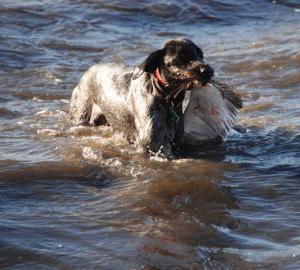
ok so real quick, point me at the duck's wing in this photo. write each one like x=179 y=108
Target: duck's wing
x=211 y=112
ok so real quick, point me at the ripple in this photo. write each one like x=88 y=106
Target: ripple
x=4 y=112
x=63 y=45
x=83 y=197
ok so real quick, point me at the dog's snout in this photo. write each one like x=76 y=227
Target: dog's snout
x=202 y=68
x=204 y=72
x=207 y=70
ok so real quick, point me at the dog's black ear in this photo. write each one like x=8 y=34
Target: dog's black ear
x=150 y=63
x=153 y=60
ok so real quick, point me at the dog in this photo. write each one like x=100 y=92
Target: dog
x=144 y=102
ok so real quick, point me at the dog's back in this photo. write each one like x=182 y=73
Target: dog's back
x=104 y=84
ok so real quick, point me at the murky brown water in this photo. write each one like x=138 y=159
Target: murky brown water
x=81 y=198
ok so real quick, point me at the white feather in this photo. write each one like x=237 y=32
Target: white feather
x=208 y=115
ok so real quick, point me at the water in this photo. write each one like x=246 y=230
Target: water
x=82 y=198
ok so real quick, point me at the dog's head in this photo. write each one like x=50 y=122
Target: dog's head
x=180 y=64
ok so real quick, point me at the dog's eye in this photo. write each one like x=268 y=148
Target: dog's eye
x=179 y=63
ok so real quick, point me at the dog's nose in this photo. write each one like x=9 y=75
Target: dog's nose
x=202 y=68
x=204 y=73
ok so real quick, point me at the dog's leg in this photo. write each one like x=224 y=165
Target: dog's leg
x=155 y=135
x=97 y=117
x=81 y=106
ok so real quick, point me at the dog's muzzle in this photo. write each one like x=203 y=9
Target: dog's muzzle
x=203 y=72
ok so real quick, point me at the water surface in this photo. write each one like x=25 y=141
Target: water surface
x=82 y=198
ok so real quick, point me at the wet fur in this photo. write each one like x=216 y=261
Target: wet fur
x=108 y=95
x=132 y=100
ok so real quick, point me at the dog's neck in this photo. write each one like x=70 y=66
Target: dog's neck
x=161 y=86
x=164 y=89
x=160 y=80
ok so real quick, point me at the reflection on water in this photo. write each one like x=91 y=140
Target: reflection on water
x=81 y=197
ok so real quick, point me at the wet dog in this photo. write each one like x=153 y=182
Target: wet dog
x=146 y=102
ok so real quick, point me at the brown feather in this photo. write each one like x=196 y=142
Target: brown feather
x=229 y=94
